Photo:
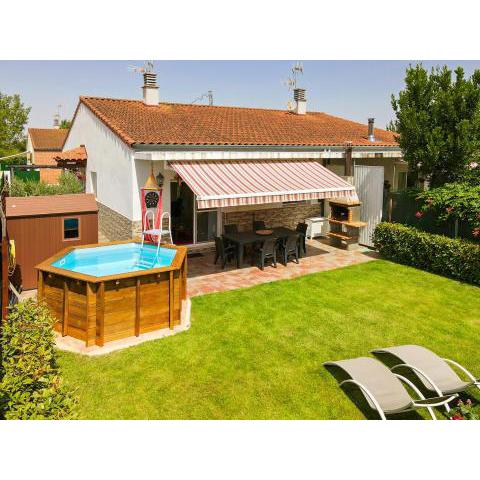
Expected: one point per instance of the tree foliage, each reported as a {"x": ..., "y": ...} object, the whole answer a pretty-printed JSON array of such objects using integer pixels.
[
  {"x": 13, "y": 118},
  {"x": 438, "y": 122},
  {"x": 67, "y": 183},
  {"x": 66, "y": 124}
]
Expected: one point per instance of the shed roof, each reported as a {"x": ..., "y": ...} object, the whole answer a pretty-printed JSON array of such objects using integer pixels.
[
  {"x": 48, "y": 139},
  {"x": 50, "y": 205}
]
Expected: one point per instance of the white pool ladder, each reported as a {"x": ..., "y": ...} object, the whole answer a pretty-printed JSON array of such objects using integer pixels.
[{"x": 155, "y": 232}]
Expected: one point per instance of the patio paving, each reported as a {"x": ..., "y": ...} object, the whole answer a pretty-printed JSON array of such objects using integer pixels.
[{"x": 205, "y": 277}]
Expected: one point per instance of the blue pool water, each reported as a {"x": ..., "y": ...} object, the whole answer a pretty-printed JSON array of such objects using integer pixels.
[{"x": 115, "y": 259}]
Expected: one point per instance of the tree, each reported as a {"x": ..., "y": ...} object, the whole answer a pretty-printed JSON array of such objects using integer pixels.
[
  {"x": 438, "y": 122},
  {"x": 65, "y": 124},
  {"x": 13, "y": 118}
]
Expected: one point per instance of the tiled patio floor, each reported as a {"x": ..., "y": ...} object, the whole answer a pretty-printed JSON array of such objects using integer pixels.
[{"x": 205, "y": 277}]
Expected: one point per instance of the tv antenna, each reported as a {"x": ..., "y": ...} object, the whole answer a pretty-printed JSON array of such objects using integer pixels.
[
  {"x": 147, "y": 67},
  {"x": 297, "y": 70},
  {"x": 208, "y": 95}
]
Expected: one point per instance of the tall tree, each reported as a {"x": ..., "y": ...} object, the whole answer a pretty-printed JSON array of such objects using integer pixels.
[
  {"x": 438, "y": 122},
  {"x": 13, "y": 118}
]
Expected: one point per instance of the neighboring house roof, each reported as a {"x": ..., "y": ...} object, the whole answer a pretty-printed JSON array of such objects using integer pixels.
[
  {"x": 180, "y": 124},
  {"x": 78, "y": 154},
  {"x": 48, "y": 139},
  {"x": 50, "y": 205}
]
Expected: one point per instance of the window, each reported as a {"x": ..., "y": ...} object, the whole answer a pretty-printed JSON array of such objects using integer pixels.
[
  {"x": 206, "y": 225},
  {"x": 71, "y": 228}
]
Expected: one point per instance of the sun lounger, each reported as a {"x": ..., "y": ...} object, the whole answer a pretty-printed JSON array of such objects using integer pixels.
[
  {"x": 383, "y": 389},
  {"x": 434, "y": 372}
]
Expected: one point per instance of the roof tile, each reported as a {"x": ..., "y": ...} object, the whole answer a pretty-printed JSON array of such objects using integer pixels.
[{"x": 180, "y": 124}]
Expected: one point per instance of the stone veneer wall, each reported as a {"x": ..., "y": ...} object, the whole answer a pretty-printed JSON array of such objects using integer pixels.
[
  {"x": 113, "y": 225},
  {"x": 284, "y": 216}
]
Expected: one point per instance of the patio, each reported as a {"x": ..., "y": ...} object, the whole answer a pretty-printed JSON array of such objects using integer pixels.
[{"x": 205, "y": 277}]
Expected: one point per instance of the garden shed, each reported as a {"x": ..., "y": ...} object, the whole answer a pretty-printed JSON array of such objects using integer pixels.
[{"x": 43, "y": 225}]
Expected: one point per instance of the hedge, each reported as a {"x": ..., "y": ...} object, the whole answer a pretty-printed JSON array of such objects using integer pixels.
[
  {"x": 455, "y": 258},
  {"x": 30, "y": 382}
]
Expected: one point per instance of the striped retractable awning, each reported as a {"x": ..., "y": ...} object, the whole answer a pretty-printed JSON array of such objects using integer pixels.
[{"x": 231, "y": 183}]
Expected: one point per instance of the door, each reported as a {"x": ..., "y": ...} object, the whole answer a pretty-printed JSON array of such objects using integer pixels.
[
  {"x": 368, "y": 181},
  {"x": 181, "y": 208}
]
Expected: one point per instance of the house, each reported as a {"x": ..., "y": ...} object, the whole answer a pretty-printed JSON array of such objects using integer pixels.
[
  {"x": 219, "y": 164},
  {"x": 41, "y": 226},
  {"x": 44, "y": 144}
]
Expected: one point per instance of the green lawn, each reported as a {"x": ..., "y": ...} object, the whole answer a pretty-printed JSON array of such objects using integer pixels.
[{"x": 257, "y": 353}]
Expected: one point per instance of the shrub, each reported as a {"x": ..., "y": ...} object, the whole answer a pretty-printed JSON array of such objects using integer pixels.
[
  {"x": 30, "y": 386},
  {"x": 67, "y": 183},
  {"x": 454, "y": 258}
]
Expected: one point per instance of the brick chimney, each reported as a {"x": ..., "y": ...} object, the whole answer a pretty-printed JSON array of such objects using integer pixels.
[
  {"x": 300, "y": 101},
  {"x": 150, "y": 89}
]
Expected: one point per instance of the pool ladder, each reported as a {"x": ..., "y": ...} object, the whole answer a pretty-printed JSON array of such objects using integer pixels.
[{"x": 155, "y": 232}]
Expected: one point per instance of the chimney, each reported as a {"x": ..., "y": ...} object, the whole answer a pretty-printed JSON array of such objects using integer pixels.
[
  {"x": 300, "y": 101},
  {"x": 371, "y": 135},
  {"x": 150, "y": 89},
  {"x": 56, "y": 121}
]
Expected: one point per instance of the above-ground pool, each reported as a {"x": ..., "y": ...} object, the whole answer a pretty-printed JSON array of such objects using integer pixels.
[
  {"x": 114, "y": 259},
  {"x": 101, "y": 293}
]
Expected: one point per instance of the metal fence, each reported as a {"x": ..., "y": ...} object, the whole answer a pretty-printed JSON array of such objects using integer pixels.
[{"x": 402, "y": 209}]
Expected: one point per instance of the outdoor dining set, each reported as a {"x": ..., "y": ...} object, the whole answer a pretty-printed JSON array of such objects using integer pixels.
[{"x": 265, "y": 245}]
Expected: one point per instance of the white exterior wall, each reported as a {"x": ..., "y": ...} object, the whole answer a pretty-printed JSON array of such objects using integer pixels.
[{"x": 110, "y": 157}]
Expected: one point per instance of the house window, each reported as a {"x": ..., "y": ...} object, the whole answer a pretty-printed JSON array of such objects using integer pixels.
[{"x": 71, "y": 228}]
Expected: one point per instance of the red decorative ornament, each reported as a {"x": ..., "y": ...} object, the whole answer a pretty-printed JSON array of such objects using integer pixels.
[{"x": 151, "y": 199}]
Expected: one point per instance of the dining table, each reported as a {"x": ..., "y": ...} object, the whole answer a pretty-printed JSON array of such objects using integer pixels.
[{"x": 240, "y": 239}]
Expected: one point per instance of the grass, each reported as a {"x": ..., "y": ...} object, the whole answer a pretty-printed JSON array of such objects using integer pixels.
[{"x": 257, "y": 353}]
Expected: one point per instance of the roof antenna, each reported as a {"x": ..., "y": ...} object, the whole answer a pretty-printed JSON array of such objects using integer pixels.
[
  {"x": 292, "y": 82},
  {"x": 147, "y": 67},
  {"x": 208, "y": 95}
]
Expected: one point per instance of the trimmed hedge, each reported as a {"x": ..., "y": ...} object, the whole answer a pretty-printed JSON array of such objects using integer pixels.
[
  {"x": 450, "y": 257},
  {"x": 30, "y": 383}
]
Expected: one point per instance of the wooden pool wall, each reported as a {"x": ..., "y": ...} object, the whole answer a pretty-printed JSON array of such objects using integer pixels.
[{"x": 102, "y": 309}]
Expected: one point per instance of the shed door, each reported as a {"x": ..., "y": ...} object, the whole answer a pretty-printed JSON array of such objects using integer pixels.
[{"x": 368, "y": 182}]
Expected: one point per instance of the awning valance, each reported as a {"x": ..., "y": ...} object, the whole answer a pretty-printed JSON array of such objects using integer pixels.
[{"x": 231, "y": 183}]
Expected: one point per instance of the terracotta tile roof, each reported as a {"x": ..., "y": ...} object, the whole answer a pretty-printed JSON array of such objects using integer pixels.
[
  {"x": 78, "y": 154},
  {"x": 48, "y": 139},
  {"x": 180, "y": 124},
  {"x": 50, "y": 205}
]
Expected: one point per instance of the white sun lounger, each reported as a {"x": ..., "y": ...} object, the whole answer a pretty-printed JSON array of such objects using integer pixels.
[
  {"x": 434, "y": 372},
  {"x": 383, "y": 389}
]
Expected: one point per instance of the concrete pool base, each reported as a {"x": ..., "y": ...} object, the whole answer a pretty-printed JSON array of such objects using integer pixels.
[{"x": 74, "y": 345}]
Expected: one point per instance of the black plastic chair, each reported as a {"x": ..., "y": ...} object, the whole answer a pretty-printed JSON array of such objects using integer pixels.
[
  {"x": 302, "y": 229},
  {"x": 231, "y": 228},
  {"x": 224, "y": 252},
  {"x": 258, "y": 225},
  {"x": 268, "y": 251},
  {"x": 290, "y": 248}
]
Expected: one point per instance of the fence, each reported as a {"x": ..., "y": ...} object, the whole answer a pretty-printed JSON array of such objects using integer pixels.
[{"x": 402, "y": 209}]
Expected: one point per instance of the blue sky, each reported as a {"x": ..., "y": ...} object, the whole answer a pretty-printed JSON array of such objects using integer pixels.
[{"x": 350, "y": 89}]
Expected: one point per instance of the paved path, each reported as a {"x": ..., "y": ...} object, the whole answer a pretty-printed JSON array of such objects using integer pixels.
[{"x": 204, "y": 277}]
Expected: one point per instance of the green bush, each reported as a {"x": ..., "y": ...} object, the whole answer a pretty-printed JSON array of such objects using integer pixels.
[
  {"x": 454, "y": 258},
  {"x": 67, "y": 183},
  {"x": 30, "y": 385}
]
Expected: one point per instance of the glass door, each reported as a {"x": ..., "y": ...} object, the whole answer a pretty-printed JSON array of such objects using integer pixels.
[{"x": 207, "y": 221}]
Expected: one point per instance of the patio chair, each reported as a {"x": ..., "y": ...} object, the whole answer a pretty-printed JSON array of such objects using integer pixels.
[
  {"x": 302, "y": 229},
  {"x": 289, "y": 247},
  {"x": 230, "y": 228},
  {"x": 224, "y": 252},
  {"x": 384, "y": 390},
  {"x": 434, "y": 372},
  {"x": 268, "y": 251},
  {"x": 258, "y": 225}
]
